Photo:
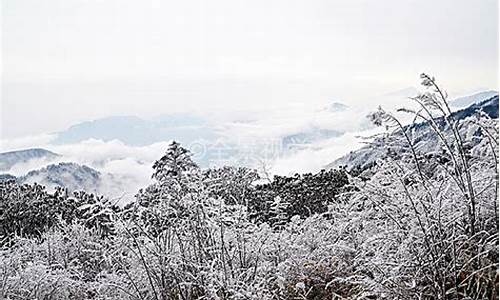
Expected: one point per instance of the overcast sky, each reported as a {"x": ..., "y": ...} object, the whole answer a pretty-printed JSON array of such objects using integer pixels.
[{"x": 66, "y": 61}]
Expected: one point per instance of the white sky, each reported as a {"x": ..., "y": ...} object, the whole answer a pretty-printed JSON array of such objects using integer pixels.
[{"x": 64, "y": 61}]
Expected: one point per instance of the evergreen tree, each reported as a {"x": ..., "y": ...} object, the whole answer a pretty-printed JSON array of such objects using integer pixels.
[{"x": 176, "y": 161}]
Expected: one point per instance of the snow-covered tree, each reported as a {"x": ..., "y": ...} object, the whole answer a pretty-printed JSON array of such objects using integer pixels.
[
  {"x": 174, "y": 163},
  {"x": 233, "y": 184}
]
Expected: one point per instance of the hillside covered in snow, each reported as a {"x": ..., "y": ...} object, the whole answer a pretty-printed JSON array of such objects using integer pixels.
[
  {"x": 421, "y": 134},
  {"x": 12, "y": 158}
]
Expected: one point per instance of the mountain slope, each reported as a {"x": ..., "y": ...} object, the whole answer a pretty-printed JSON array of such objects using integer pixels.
[
  {"x": 9, "y": 159},
  {"x": 69, "y": 175},
  {"x": 466, "y": 101},
  {"x": 77, "y": 177},
  {"x": 424, "y": 140},
  {"x": 7, "y": 177}
]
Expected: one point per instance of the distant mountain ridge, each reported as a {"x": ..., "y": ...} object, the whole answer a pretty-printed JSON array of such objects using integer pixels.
[
  {"x": 11, "y": 158},
  {"x": 136, "y": 131},
  {"x": 7, "y": 177},
  {"x": 463, "y": 102},
  {"x": 335, "y": 107},
  {"x": 306, "y": 137},
  {"x": 69, "y": 175},
  {"x": 78, "y": 177}
]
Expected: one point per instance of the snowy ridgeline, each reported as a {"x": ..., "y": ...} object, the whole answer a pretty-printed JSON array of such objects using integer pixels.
[
  {"x": 9, "y": 159},
  {"x": 414, "y": 215},
  {"x": 425, "y": 141}
]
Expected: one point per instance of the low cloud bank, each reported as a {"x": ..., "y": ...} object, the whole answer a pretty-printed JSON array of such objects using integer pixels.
[
  {"x": 315, "y": 157},
  {"x": 252, "y": 142}
]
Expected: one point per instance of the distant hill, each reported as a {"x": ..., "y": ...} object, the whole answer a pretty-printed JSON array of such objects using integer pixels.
[
  {"x": 76, "y": 177},
  {"x": 335, "y": 107},
  {"x": 297, "y": 140},
  {"x": 69, "y": 175},
  {"x": 9, "y": 159},
  {"x": 6, "y": 177},
  {"x": 135, "y": 131}
]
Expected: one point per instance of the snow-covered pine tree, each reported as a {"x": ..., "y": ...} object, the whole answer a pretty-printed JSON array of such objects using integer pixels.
[
  {"x": 164, "y": 202},
  {"x": 176, "y": 161}
]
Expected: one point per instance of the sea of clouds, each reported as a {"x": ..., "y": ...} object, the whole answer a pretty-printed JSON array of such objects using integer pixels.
[{"x": 253, "y": 136}]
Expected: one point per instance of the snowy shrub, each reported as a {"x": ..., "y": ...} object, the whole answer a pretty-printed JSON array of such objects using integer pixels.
[
  {"x": 433, "y": 227},
  {"x": 65, "y": 263}
]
